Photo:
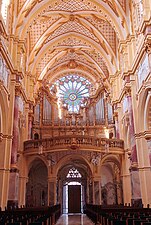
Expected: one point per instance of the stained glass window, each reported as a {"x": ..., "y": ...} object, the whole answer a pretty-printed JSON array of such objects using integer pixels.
[
  {"x": 73, "y": 173},
  {"x": 73, "y": 91}
]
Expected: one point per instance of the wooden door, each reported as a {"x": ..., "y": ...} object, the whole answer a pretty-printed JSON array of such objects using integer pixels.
[{"x": 74, "y": 199}]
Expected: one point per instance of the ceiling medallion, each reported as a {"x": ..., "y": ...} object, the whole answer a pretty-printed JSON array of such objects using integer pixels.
[{"x": 72, "y": 64}]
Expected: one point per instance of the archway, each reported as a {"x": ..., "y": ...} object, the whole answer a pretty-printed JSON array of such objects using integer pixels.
[
  {"x": 37, "y": 186},
  {"x": 111, "y": 182},
  {"x": 73, "y": 177}
]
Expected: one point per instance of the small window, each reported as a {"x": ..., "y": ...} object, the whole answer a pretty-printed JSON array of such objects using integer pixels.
[{"x": 73, "y": 173}]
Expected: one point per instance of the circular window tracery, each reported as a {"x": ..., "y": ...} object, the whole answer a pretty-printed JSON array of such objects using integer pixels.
[{"x": 72, "y": 91}]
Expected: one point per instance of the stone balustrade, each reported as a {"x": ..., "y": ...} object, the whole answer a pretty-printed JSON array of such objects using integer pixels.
[{"x": 76, "y": 142}]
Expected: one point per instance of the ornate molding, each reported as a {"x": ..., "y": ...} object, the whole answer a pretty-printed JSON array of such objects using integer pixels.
[
  {"x": 127, "y": 90},
  {"x": 148, "y": 46},
  {"x": 4, "y": 136},
  {"x": 80, "y": 143}
]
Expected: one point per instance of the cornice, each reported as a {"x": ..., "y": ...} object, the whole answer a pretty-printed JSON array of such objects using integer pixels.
[
  {"x": 99, "y": 90},
  {"x": 146, "y": 85},
  {"x": 20, "y": 91},
  {"x": 141, "y": 51},
  {"x": 123, "y": 43},
  {"x": 144, "y": 134},
  {"x": 47, "y": 92},
  {"x": 145, "y": 47},
  {"x": 125, "y": 91},
  {"x": 143, "y": 28},
  {"x": 114, "y": 76},
  {"x": 6, "y": 55},
  {"x": 21, "y": 43},
  {"x": 5, "y": 136}
]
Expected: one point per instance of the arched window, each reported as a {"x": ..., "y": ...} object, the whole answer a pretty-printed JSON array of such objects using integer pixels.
[
  {"x": 36, "y": 136},
  {"x": 73, "y": 173}
]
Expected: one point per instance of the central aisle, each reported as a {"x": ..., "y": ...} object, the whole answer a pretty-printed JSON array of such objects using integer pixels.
[{"x": 74, "y": 219}]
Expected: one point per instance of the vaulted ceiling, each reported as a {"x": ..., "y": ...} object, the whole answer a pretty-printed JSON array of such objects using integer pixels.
[{"x": 79, "y": 36}]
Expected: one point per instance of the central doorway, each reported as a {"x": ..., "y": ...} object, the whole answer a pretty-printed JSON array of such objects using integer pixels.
[
  {"x": 74, "y": 199},
  {"x": 72, "y": 186}
]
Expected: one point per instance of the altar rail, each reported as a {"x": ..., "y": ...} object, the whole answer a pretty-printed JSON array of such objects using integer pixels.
[{"x": 82, "y": 142}]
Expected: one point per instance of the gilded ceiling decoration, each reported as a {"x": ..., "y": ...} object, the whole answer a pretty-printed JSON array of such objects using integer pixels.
[
  {"x": 72, "y": 26},
  {"x": 72, "y": 35}
]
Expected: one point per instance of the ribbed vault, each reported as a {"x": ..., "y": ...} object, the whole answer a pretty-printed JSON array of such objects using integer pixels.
[{"x": 77, "y": 35}]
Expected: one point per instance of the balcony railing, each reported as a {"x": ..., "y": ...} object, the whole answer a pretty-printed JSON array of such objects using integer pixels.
[{"x": 76, "y": 142}]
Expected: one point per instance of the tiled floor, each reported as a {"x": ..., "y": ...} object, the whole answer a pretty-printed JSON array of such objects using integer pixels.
[{"x": 74, "y": 219}]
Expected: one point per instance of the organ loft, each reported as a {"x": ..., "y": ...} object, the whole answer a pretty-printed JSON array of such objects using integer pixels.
[{"x": 75, "y": 103}]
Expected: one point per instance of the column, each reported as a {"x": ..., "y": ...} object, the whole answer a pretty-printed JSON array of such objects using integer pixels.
[
  {"x": 149, "y": 149},
  {"x": 134, "y": 173},
  {"x": 117, "y": 135},
  {"x": 30, "y": 120},
  {"x": 6, "y": 143},
  {"x": 97, "y": 191},
  {"x": 127, "y": 189},
  {"x": 4, "y": 171},
  {"x": 145, "y": 168},
  {"x": 95, "y": 181},
  {"x": 22, "y": 190},
  {"x": 14, "y": 173},
  {"x": 90, "y": 191},
  {"x": 118, "y": 185},
  {"x": 148, "y": 50},
  {"x": 87, "y": 192},
  {"x": 52, "y": 191},
  {"x": 59, "y": 192}
]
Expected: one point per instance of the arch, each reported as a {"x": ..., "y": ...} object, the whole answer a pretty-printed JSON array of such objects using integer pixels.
[
  {"x": 69, "y": 158},
  {"x": 110, "y": 171},
  {"x": 63, "y": 72},
  {"x": 144, "y": 100},
  {"x": 147, "y": 110},
  {"x": 31, "y": 10},
  {"x": 111, "y": 157},
  {"x": 37, "y": 186},
  {"x": 36, "y": 136},
  {"x": 47, "y": 46},
  {"x": 67, "y": 165},
  {"x": 45, "y": 36},
  {"x": 99, "y": 73},
  {"x": 94, "y": 74},
  {"x": 32, "y": 159}
]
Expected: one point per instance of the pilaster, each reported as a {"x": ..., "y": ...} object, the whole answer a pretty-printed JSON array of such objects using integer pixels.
[
  {"x": 14, "y": 172},
  {"x": 134, "y": 172},
  {"x": 52, "y": 191},
  {"x": 22, "y": 190},
  {"x": 6, "y": 144}
]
